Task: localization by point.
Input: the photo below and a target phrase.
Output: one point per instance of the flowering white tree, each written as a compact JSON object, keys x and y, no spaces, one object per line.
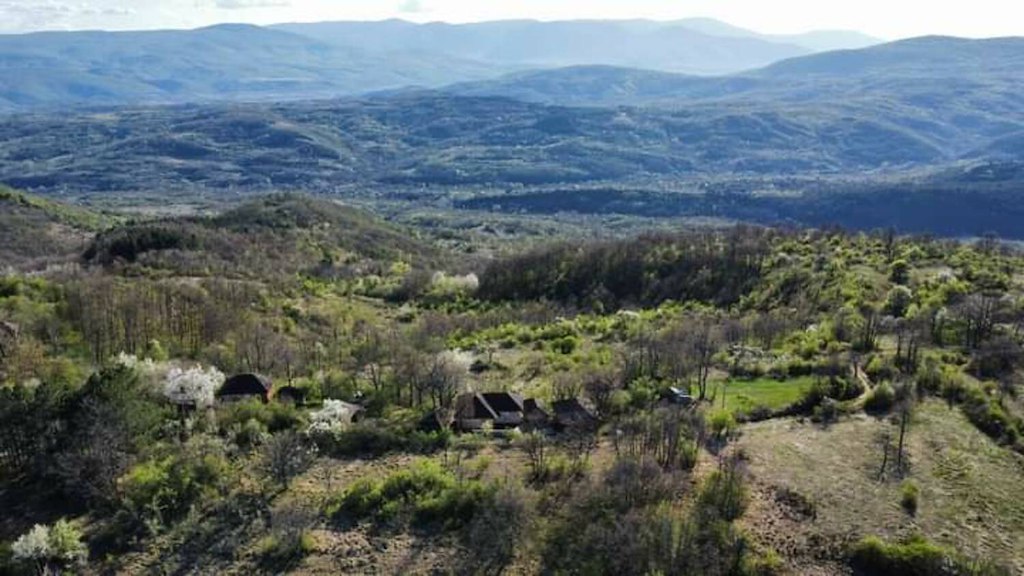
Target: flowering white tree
{"x":148,"y":370}
{"x":332,"y":416}
{"x":33,"y":546}
{"x":50,"y":549}
{"x":193,"y":386}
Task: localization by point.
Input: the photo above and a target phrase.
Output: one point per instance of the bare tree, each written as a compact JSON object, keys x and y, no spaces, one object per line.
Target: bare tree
{"x":977,"y":314}
{"x":535,"y":446}
{"x":285,"y":456}
{"x":600,"y":385}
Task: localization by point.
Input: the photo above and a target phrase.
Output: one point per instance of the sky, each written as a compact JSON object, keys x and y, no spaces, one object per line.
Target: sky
{"x":888,"y":19}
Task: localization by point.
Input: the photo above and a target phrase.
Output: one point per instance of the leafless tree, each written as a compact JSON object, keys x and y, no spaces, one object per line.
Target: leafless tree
{"x":285,"y":456}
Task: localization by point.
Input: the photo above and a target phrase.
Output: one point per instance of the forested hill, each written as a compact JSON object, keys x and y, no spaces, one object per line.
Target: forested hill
{"x":60,"y":70}
{"x":35,"y":231}
{"x":265,"y":237}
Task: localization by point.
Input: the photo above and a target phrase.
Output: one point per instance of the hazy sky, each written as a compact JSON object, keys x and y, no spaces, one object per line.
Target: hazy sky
{"x":890,"y":19}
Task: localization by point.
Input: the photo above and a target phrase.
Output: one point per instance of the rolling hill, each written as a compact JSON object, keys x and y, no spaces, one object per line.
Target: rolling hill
{"x":522,"y":44}
{"x":57,"y":70}
{"x":228,"y":62}
{"x":265,"y":236}
{"x":924,"y":115}
{"x":35,"y":231}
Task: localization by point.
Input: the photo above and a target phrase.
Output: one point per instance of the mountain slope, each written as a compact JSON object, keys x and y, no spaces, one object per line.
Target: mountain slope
{"x":35,"y":231}
{"x":230,"y":62}
{"x":815,"y":41}
{"x":275,"y":234}
{"x":956,"y":94}
{"x":531,"y":44}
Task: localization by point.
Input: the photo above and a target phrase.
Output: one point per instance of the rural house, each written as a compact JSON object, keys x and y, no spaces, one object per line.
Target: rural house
{"x":244,"y":387}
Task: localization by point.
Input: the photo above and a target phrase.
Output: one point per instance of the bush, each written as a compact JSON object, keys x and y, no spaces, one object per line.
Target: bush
{"x":878,"y":369}
{"x":161,"y":490}
{"x":275,"y":417}
{"x":51,"y":549}
{"x":989,"y":417}
{"x":909,"y":494}
{"x":722,"y":424}
{"x":373,"y":438}
{"x":915,"y":557}
{"x":289,"y":540}
{"x":724,"y":494}
{"x":425,"y":493}
{"x":838,"y":389}
{"x":881,"y":399}
{"x":827,"y":412}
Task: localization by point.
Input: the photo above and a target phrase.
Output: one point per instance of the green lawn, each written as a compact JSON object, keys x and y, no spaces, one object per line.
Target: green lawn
{"x":742,"y":396}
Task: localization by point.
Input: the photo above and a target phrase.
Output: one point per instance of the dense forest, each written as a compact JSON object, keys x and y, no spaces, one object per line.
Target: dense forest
{"x":295,"y":386}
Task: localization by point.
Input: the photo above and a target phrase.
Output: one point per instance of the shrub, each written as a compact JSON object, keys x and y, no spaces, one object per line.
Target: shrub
{"x":275,"y":417}
{"x":724,"y":494}
{"x":827,"y":412}
{"x":954,"y":389}
{"x":722,"y":424}
{"x":988,"y":416}
{"x":909,"y":494}
{"x":426,"y":493}
{"x":838,"y":389}
{"x":289,"y":540}
{"x":915,"y":557}
{"x":285,"y":456}
{"x":881,"y":399}
{"x":161,"y":490}
{"x":878,"y":369}
{"x":373,"y":438}
{"x":51,"y":549}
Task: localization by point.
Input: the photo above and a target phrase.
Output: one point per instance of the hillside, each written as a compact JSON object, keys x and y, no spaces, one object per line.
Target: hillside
{"x":35,"y":231}
{"x":441,"y":140}
{"x":262,"y":238}
{"x":957,"y":94}
{"x":227,"y":62}
{"x":668,"y":46}
{"x":815,"y":40}
{"x":742,"y":401}
{"x":323,"y":60}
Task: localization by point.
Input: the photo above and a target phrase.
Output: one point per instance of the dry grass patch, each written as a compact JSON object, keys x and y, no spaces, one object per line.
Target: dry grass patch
{"x":969,"y":487}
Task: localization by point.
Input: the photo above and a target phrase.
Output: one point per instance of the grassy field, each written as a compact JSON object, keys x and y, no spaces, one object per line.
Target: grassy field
{"x":969,"y":487}
{"x":742,"y":396}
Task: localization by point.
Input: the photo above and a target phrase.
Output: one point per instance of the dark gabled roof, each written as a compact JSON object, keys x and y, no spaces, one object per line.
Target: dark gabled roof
{"x":504,"y":402}
{"x":434,"y":422}
{"x":571,"y":408}
{"x":532,"y":408}
{"x":290,"y":393}
{"x":245,"y":385}
{"x":473,"y":407}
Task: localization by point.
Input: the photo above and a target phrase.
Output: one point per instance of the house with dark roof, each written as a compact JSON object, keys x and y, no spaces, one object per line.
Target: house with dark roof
{"x":291,"y":395}
{"x":500,"y":410}
{"x":508,"y":407}
{"x":245,"y":387}
{"x":571,"y":414}
{"x":534,"y":417}
{"x":473,"y":412}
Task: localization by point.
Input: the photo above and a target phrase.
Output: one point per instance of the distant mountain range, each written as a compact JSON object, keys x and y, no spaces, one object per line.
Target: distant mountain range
{"x":892,"y":109}
{"x":934,"y":126}
{"x":228,"y":62}
{"x":698,"y":46}
{"x":57,"y":70}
